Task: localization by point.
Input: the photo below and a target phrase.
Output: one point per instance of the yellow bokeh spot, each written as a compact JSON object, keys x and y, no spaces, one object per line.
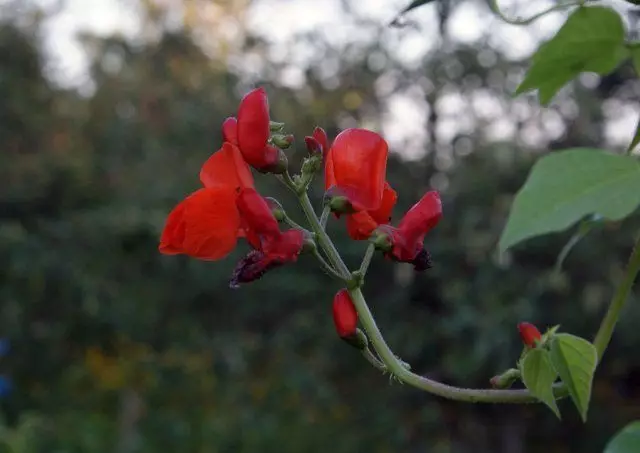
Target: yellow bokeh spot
{"x":352,"y":100}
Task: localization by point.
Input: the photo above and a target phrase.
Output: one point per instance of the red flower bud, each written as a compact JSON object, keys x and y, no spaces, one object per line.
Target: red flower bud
{"x":230,"y":130}
{"x":312,"y":146}
{"x":345,"y":316}
{"x":529,"y":334}
{"x":320,"y":136}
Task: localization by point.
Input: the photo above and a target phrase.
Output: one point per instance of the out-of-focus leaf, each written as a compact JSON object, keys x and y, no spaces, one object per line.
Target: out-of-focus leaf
{"x":591,"y":40}
{"x":413,"y":5}
{"x":566,"y":186}
{"x":627,"y":440}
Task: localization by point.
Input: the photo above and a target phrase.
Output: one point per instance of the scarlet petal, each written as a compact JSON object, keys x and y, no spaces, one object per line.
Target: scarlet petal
{"x":204,"y":225}
{"x":345,"y":316}
{"x":253,"y":126}
{"x":284,"y":247}
{"x":256,"y":214}
{"x":226,"y":168}
{"x":361,"y":224}
{"x":421,"y":218}
{"x":356,"y":166}
{"x":230,"y":130}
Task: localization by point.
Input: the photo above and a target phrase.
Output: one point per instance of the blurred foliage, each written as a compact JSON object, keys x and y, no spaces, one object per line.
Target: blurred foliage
{"x":117,"y":348}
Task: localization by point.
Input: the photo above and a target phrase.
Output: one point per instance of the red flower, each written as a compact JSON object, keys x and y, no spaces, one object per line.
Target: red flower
{"x":204,"y":225}
{"x":407,"y":239}
{"x":253,"y":131}
{"x":361,"y":224}
{"x":529,"y":334}
{"x":355,"y":168}
{"x":345,"y":316}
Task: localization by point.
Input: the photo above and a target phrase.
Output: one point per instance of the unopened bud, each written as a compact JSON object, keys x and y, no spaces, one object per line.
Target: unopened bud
{"x":313,"y":146}
{"x":279,"y":167}
{"x":311,"y":165}
{"x":274,"y":126}
{"x":529,"y":333}
{"x":506,"y":379}
{"x":282,"y":141}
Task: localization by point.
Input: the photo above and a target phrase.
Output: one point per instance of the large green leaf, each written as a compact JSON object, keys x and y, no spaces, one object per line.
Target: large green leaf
{"x":575,"y":360}
{"x":627,"y":440}
{"x":591,"y":40}
{"x":565,"y":186}
{"x":538,"y":376}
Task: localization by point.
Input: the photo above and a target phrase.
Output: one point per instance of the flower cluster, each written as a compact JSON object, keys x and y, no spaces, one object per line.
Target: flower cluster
{"x":208,"y":223}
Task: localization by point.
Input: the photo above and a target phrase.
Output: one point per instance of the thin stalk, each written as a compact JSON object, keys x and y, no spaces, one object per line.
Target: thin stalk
{"x":610,"y":319}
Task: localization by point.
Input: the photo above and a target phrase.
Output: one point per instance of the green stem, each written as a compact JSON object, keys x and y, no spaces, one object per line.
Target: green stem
{"x":395,"y":366}
{"x":325,"y":216}
{"x":292,"y":223}
{"x":373,"y":360}
{"x":328,"y":268}
{"x":323,"y":238}
{"x":493,"y":4}
{"x":609,"y":321}
{"x":364,"y":266}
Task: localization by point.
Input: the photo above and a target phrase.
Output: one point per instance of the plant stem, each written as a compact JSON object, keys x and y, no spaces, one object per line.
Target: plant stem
{"x":364,"y":266}
{"x":373,"y":360}
{"x":493,"y":4}
{"x":328,"y":268}
{"x":609,"y":321}
{"x":292,"y":223}
{"x":325,"y":217}
{"x":394,"y":365}
{"x":323,"y":239}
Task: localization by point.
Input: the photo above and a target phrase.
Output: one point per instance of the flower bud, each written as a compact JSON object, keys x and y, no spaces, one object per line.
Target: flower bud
{"x":274,"y":126}
{"x":313,"y":146}
{"x":338,"y":203}
{"x":311,"y":165}
{"x":282,"y":141}
{"x":345,"y":316}
{"x":506,"y":379}
{"x":529,"y":333}
{"x":279,"y":166}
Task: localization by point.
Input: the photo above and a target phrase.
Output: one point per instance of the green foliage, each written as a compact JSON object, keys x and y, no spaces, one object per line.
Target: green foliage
{"x":538,"y":375}
{"x":591,"y":40}
{"x":566,"y":186}
{"x":575,"y":360}
{"x":627,"y":440}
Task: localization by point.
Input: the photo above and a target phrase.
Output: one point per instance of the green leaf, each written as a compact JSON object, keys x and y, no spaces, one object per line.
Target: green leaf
{"x":591,"y":40}
{"x":627,"y":440}
{"x":565,"y":186}
{"x":575,"y":360}
{"x":538,"y":376}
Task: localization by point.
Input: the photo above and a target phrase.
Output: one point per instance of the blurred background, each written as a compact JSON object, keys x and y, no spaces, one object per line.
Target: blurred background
{"x":107,"y":110}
